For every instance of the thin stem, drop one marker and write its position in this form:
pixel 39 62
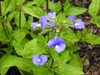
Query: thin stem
pixel 47 6
pixel 5 30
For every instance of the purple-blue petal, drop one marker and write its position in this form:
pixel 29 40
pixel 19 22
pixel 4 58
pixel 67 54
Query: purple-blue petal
pixel 51 24
pixel 51 43
pixel 43 21
pixel 60 48
pixel 51 15
pixel 43 59
pixel 34 25
pixel 58 40
pixel 35 58
pixel 79 24
pixel 71 18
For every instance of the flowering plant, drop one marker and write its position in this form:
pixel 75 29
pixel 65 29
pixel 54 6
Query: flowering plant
pixel 39 42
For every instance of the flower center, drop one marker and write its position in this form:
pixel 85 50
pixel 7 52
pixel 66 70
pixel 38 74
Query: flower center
pixel 38 25
pixel 38 60
pixel 57 46
pixel 76 24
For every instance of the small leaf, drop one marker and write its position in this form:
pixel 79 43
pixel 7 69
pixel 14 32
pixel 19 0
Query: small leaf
pixel 2 36
pixel 74 10
pixel 55 6
pixel 19 35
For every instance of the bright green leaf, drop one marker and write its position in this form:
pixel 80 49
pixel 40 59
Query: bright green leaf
pixel 33 11
pixel 67 69
pixel 94 8
pixel 74 10
pixel 69 35
pixel 76 61
pixel 19 35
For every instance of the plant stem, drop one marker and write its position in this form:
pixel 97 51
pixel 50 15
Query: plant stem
pixel 47 6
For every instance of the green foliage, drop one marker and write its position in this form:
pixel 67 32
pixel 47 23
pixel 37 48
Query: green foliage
pixel 69 35
pixel 33 11
pixel 55 6
pixel 67 69
pixel 94 7
pixel 19 35
pixel 74 10
pixel 21 42
pixel 7 6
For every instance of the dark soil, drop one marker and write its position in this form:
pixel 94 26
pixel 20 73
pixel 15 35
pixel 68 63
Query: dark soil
pixel 90 54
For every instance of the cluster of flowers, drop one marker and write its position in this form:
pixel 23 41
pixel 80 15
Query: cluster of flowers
pixel 57 43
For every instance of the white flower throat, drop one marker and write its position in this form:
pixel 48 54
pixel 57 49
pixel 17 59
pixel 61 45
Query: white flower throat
pixel 77 24
pixel 38 60
pixel 57 46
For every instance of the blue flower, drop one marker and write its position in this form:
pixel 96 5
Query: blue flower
pixel 79 24
pixel 51 15
pixel 39 60
pixel 57 43
pixel 43 22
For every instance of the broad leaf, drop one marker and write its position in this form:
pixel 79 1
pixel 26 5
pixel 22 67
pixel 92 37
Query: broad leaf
pixel 94 8
pixel 33 11
pixel 91 38
pixel 74 10
pixel 76 62
pixel 67 69
pixel 19 35
pixel 69 35
pixel 8 5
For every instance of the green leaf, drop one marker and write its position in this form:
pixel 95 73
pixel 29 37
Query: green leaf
pixel 8 5
pixel 55 6
pixel 74 10
pixel 69 35
pixel 2 36
pixel 39 3
pixel 37 70
pixel 66 5
pixel 94 8
pixel 91 38
pixel 67 69
pixel 35 46
pixel 76 61
pixel 22 17
pixel 10 61
pixel 33 11
pixel 11 15
pixel 19 35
